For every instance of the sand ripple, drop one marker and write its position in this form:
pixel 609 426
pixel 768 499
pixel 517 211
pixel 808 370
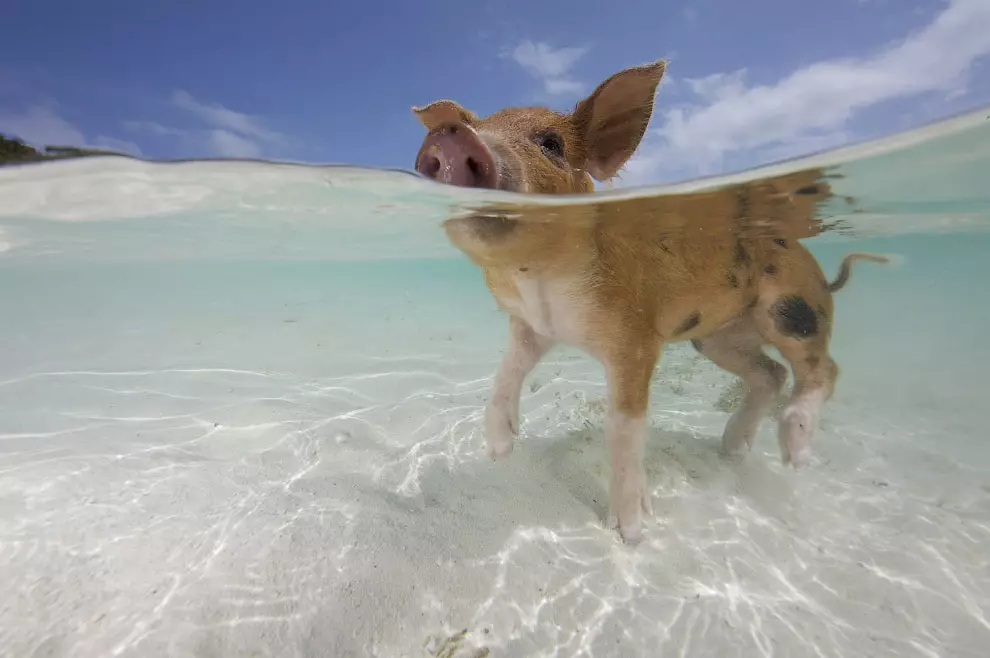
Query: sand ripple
pixel 207 511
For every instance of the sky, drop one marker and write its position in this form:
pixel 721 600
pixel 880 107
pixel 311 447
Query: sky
pixel 309 80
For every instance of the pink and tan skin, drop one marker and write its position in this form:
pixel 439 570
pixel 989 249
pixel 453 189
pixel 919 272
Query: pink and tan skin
pixel 617 290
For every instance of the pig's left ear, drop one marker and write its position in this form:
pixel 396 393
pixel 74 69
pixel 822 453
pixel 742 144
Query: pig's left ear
pixel 613 119
pixel 440 112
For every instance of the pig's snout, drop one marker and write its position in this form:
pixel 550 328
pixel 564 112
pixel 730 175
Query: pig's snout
pixel 455 154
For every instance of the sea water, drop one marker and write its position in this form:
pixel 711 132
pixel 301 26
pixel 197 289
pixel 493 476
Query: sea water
pixel 240 412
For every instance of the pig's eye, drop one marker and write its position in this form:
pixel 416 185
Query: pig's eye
pixel 551 143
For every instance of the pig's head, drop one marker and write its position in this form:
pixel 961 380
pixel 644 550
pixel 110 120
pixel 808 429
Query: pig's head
pixel 537 150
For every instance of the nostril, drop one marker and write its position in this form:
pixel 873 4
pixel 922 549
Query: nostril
pixel 475 168
pixel 429 166
pixel 480 172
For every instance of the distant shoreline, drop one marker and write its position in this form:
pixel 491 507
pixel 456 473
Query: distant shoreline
pixel 14 151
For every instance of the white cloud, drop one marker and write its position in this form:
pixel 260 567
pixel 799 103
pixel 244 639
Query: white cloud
pixel 228 145
pixel 814 105
pixel 717 86
pixel 551 66
pixel 41 126
pixel 154 128
pixel 225 133
pixel 234 122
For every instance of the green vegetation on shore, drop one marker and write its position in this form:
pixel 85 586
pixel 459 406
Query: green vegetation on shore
pixel 13 150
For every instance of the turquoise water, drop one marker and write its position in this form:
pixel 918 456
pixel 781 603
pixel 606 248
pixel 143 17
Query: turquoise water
pixel 240 414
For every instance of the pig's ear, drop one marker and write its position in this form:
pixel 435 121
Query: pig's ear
pixel 440 112
pixel 613 119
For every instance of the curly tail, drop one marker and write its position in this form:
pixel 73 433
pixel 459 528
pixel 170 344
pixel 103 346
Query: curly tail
pixel 846 267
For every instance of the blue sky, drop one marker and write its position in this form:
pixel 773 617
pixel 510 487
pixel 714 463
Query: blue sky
pixel 748 82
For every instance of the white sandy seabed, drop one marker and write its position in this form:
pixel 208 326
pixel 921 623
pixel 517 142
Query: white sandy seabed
pixel 219 478
pixel 270 460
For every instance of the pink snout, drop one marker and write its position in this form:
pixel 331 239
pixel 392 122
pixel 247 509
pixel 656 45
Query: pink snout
pixel 453 153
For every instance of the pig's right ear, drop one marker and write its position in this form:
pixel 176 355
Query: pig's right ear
pixel 440 112
pixel 613 119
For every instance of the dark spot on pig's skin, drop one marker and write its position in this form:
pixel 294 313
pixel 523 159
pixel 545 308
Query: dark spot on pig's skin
pixel 794 317
pixel 821 311
pixel 524 269
pixel 813 361
pixel 809 189
pixel 741 256
pixel 733 280
pixel 770 269
pixel 782 243
pixel 690 323
pixel 742 205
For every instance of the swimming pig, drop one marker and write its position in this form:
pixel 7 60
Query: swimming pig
pixel 618 279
